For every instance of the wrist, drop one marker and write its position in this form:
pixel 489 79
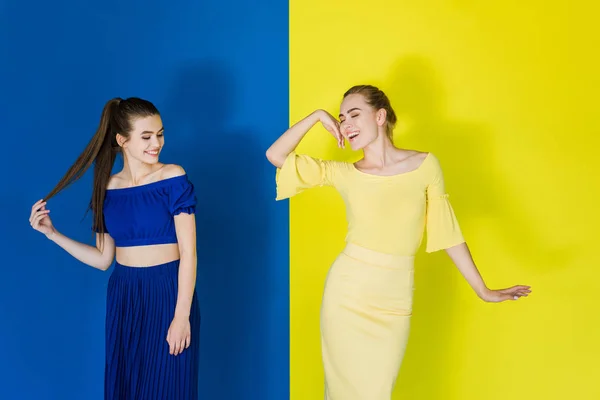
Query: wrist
pixel 52 235
pixel 484 293
pixel 318 114
pixel 181 314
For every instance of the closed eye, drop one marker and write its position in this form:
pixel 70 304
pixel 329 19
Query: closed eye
pixel 148 137
pixel 351 116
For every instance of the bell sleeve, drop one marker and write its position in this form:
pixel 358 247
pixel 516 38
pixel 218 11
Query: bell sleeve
pixel 300 172
pixel 443 230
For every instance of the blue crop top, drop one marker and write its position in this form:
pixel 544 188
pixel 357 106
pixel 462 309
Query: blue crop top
pixel 143 215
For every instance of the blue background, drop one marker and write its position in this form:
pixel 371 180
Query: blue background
pixel 218 72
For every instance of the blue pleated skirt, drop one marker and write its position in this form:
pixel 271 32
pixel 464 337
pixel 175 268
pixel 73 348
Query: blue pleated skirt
pixel 140 308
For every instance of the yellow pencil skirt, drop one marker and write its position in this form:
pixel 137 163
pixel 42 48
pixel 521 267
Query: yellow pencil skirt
pixel 365 322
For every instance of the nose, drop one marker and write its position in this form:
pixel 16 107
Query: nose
pixel 346 126
pixel 155 141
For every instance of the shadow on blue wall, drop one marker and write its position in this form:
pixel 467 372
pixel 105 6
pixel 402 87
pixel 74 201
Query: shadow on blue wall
pixel 234 187
pixel 213 83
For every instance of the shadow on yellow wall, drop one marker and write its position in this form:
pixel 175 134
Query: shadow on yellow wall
pixel 504 95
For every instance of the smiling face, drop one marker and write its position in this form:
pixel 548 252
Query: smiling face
pixel 145 141
pixel 360 123
pixel 366 115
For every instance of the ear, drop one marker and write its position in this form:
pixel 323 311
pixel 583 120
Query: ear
pixel 381 117
pixel 121 140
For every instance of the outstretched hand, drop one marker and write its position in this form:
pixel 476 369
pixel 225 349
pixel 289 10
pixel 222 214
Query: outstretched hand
pixel 512 293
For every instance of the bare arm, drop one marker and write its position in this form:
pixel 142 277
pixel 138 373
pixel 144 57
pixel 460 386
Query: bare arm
pixel 185 227
pixel 286 143
pixel 179 335
pixel 100 257
pixel 461 256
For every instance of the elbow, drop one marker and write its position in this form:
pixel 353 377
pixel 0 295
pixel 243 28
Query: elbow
pixel 188 254
pixel 188 258
pixel 188 263
pixel 104 266
pixel 276 159
pixel 270 156
pixel 104 263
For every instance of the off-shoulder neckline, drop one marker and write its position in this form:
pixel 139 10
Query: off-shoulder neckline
pixel 412 171
pixel 151 185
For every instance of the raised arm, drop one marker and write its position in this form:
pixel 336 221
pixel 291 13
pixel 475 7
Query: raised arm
pixel 100 257
pixel 286 143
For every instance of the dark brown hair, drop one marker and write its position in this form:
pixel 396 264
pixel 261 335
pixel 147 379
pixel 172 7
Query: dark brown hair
pixel 378 100
pixel 117 118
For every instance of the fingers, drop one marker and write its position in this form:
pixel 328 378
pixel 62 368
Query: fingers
pixel 517 289
pixel 333 126
pixel 517 294
pixel 338 134
pixel 181 345
pixel 507 297
pixel 335 131
pixel 169 342
pixel 39 205
pixel 521 290
pixel 35 220
pixel 504 296
pixel 341 139
pixel 176 346
pixel 512 293
pixel 172 343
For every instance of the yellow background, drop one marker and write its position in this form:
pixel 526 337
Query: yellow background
pixel 507 95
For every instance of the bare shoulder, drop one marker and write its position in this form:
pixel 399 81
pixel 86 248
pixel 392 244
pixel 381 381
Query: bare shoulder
pixel 414 158
pixel 171 171
pixel 415 155
pixel 115 182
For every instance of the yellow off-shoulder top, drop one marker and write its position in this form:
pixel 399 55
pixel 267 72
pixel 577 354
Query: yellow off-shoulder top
pixel 389 214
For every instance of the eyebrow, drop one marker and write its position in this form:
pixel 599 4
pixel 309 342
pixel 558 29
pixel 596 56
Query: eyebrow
pixel 146 132
pixel 350 110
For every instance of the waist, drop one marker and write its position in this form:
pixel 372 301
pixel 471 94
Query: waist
pixel 147 256
pixel 168 269
pixel 122 240
pixel 373 257
pixel 403 242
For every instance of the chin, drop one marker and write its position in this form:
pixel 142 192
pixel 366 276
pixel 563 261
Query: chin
pixel 356 146
pixel 148 160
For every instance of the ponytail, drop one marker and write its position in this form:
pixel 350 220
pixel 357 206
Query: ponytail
pixel 117 117
pixel 101 150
